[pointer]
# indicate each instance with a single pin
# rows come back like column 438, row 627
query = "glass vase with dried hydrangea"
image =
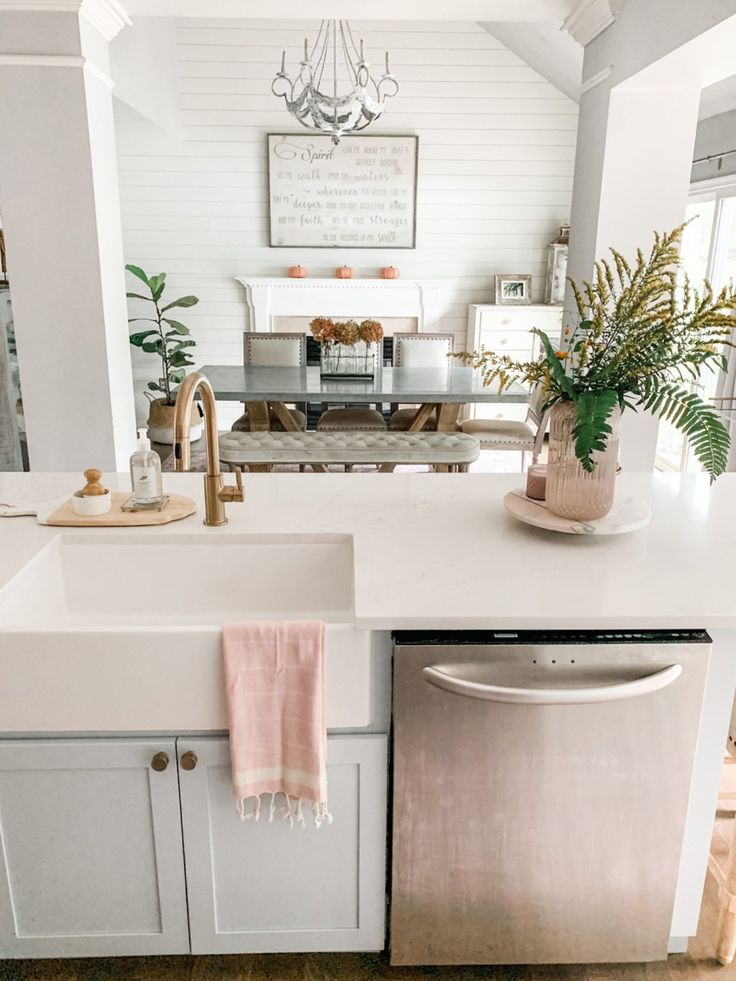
column 348, row 349
column 644, row 336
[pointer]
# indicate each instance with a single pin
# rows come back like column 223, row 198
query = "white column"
column 642, row 186
column 636, row 136
column 60, row 206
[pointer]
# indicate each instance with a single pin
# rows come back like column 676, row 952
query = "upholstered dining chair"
column 512, row 435
column 419, row 351
column 351, row 419
column 274, row 350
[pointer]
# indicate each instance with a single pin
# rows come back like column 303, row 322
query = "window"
column 708, row 252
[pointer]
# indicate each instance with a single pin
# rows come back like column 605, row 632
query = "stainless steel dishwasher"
column 540, row 789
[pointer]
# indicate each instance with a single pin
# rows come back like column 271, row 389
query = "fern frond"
column 592, row 428
column 697, row 420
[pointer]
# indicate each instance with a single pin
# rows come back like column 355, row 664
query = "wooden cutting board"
column 178, row 507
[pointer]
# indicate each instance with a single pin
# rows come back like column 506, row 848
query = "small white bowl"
column 92, row 505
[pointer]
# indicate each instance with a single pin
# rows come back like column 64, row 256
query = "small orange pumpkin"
column 390, row 272
column 297, row 272
column 344, row 272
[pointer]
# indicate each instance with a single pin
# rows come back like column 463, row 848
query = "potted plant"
column 348, row 349
column 168, row 339
column 643, row 337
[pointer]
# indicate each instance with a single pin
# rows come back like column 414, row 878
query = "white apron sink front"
column 122, row 632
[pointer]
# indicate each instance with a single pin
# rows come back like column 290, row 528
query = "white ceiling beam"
column 406, row 10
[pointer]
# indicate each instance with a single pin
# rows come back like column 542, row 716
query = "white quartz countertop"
column 438, row 551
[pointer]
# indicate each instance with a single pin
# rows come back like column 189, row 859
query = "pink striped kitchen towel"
column 275, row 689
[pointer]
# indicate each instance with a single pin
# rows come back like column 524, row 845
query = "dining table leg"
column 420, row 417
column 259, row 421
column 447, row 416
column 416, row 426
column 287, row 421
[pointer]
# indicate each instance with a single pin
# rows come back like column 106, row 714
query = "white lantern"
column 557, row 267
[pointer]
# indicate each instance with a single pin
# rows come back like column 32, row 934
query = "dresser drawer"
column 517, row 343
column 509, row 328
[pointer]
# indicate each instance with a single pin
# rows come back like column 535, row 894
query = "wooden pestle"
column 93, row 487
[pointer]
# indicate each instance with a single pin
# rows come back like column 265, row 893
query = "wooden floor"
column 697, row 965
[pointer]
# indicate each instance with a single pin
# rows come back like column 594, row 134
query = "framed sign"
column 358, row 194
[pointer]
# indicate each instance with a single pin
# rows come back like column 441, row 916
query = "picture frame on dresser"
column 513, row 289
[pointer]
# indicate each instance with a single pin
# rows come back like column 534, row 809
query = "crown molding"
column 588, row 19
column 107, row 16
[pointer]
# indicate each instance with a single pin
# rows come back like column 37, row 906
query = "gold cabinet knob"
column 160, row 761
column 188, row 760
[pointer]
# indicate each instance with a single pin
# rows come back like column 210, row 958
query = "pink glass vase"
column 572, row 492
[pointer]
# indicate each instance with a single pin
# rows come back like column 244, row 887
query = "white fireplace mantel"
column 424, row 299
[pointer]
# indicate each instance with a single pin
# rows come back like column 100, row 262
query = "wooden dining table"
column 266, row 390
column 445, row 389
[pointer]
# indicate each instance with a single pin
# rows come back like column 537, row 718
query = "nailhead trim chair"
column 419, row 351
column 279, row 350
column 351, row 420
column 507, row 434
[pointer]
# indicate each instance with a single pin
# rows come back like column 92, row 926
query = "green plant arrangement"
column 643, row 338
column 168, row 338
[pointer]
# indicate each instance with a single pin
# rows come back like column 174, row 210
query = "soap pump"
column 145, row 474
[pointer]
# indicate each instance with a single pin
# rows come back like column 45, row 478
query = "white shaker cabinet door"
column 90, row 849
column 268, row 887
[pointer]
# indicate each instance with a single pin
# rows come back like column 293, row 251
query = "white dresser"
column 507, row 330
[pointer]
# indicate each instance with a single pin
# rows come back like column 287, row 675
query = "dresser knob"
column 159, row 762
column 188, row 760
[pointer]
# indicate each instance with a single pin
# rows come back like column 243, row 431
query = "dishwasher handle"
column 438, row 675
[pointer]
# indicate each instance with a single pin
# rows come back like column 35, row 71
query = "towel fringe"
column 287, row 812
column 291, row 809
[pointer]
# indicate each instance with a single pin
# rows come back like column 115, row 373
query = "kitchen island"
column 433, row 552
column 423, row 552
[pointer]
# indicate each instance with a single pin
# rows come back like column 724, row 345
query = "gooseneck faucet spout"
column 215, row 493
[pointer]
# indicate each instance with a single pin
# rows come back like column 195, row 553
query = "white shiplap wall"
column 496, row 149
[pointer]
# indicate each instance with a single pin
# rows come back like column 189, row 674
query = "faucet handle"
column 230, row 494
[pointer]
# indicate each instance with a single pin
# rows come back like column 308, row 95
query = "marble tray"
column 628, row 514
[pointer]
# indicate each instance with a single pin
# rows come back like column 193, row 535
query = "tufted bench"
column 261, row 449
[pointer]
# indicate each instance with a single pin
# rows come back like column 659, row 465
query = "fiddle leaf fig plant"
column 168, row 338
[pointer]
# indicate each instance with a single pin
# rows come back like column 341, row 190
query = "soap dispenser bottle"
column 145, row 474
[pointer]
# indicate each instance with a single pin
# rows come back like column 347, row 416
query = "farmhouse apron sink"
column 121, row 632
